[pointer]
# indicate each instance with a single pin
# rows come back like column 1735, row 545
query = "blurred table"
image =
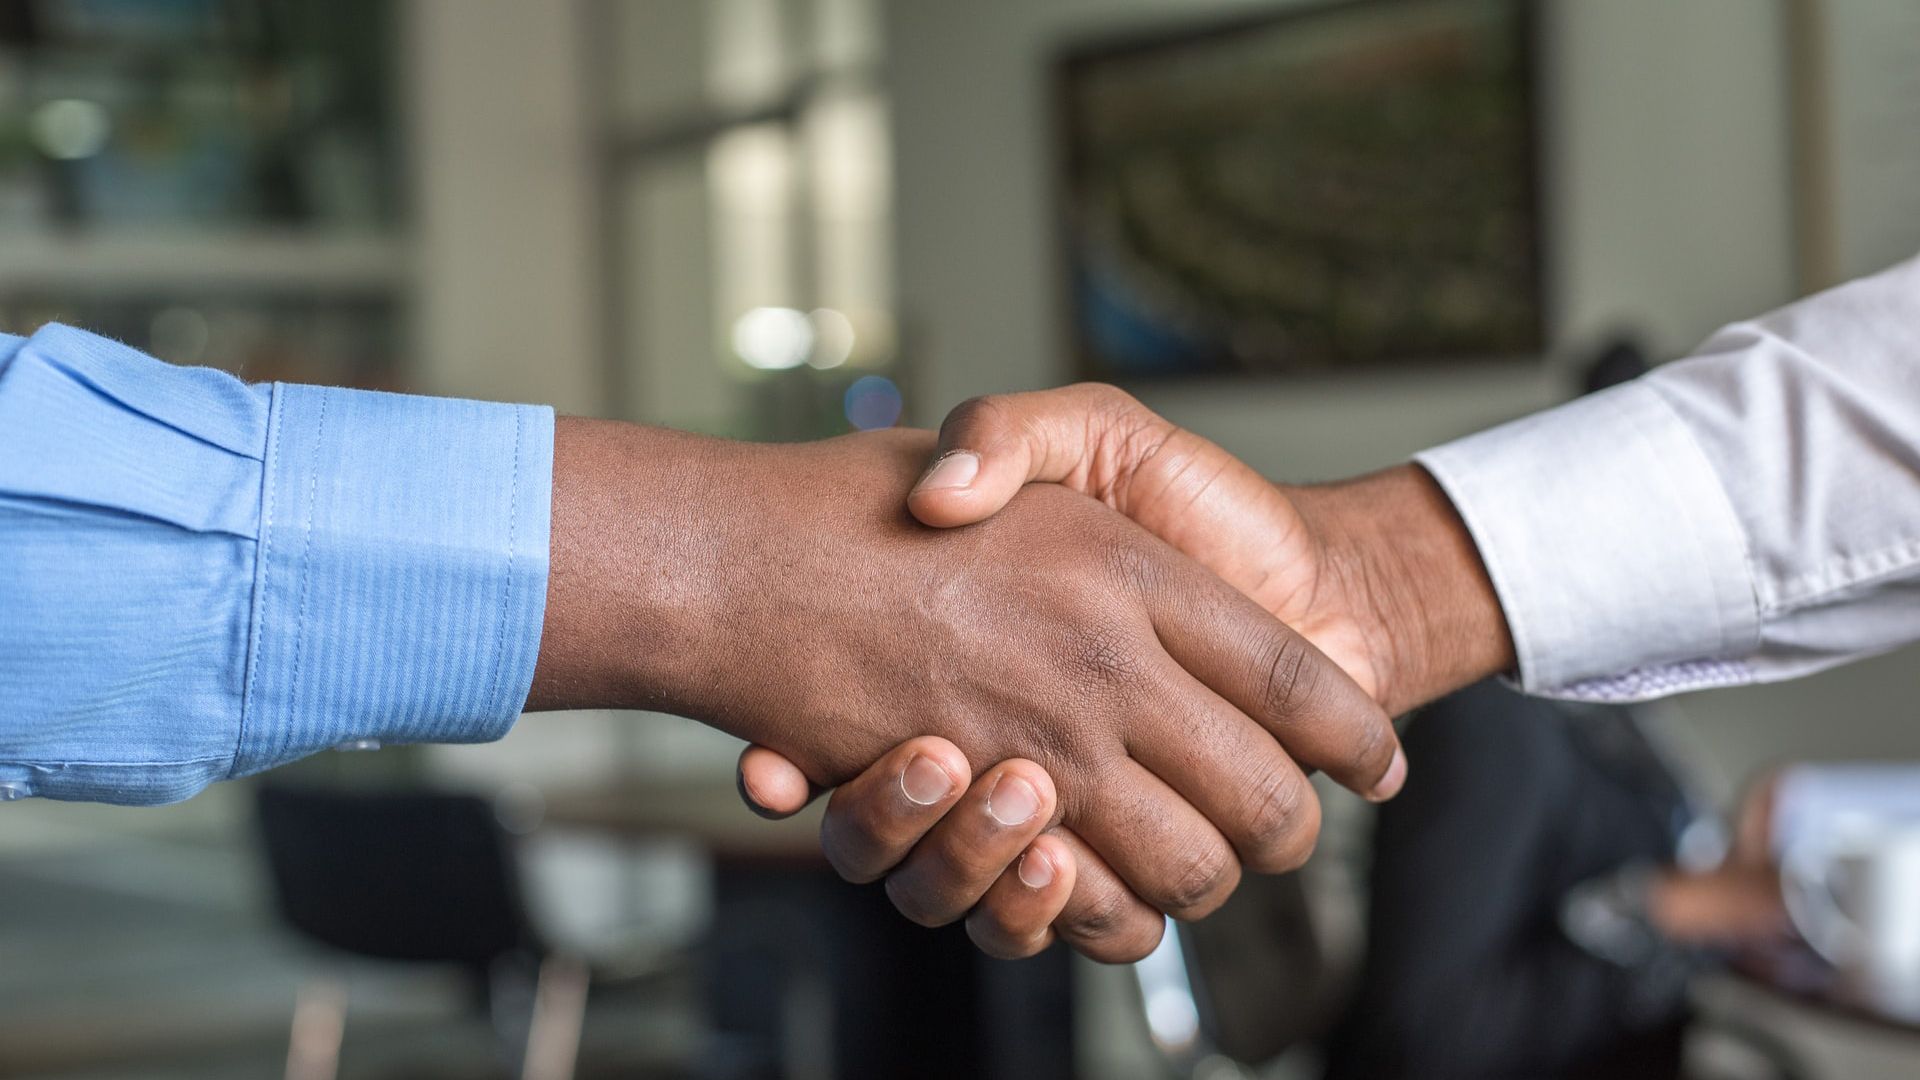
column 1803, row 1034
column 709, row 811
column 809, row 975
column 1797, row 976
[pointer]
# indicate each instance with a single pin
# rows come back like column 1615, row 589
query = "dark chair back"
column 411, row 876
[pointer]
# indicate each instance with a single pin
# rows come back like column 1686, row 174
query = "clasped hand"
column 946, row 851
column 1152, row 720
column 1407, row 619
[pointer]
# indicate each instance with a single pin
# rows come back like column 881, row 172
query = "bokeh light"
column 873, row 402
column 70, row 129
column 773, row 338
column 833, row 338
column 179, row 335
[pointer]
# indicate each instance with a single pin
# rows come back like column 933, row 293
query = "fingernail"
column 955, row 470
column 1036, row 870
column 1396, row 777
column 924, row 783
column 752, row 800
column 1012, row 801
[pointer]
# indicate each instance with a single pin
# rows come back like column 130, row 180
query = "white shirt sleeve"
column 1751, row 513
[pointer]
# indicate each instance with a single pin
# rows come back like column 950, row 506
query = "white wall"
column 504, row 260
column 1669, row 165
column 1873, row 54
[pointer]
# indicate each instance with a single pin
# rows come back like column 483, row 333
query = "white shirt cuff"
column 1610, row 541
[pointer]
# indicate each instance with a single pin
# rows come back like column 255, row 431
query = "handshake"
column 1069, row 666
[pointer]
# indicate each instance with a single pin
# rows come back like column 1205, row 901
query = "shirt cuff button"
column 352, row 745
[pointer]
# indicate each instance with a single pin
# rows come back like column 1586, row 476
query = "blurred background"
column 1325, row 236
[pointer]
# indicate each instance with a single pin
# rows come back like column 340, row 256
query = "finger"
column 1269, row 672
column 1103, row 919
column 1015, row 917
column 991, row 446
column 1166, row 851
column 974, row 844
column 1234, row 773
column 772, row 786
column 874, row 819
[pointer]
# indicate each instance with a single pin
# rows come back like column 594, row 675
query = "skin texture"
column 1161, row 720
column 1378, row 572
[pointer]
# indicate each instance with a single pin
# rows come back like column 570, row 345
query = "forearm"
column 677, row 559
column 738, row 584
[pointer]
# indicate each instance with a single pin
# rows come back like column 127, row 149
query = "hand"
column 1379, row 572
column 780, row 593
column 875, row 821
column 1733, row 904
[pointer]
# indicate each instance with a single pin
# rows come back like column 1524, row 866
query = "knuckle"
column 1368, row 749
column 870, row 824
column 1001, row 934
column 1108, row 661
column 995, row 938
column 1286, row 819
column 1129, row 560
column 854, row 839
column 1292, row 677
column 965, row 867
column 1069, row 750
column 1107, row 918
column 917, row 904
column 1297, row 858
column 1109, row 399
column 988, row 920
column 1128, row 940
column 850, row 858
column 1203, row 883
column 976, row 415
column 1271, row 815
column 1106, row 655
column 1065, row 747
column 850, row 870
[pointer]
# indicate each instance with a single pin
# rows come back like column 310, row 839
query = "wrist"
column 1406, row 569
column 635, row 567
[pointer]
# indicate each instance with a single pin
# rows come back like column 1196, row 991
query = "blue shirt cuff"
column 401, row 580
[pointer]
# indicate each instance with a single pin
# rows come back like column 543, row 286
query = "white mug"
column 1854, row 894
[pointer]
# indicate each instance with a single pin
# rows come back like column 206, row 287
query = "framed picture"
column 1339, row 188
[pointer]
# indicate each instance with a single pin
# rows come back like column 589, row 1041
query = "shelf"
column 170, row 262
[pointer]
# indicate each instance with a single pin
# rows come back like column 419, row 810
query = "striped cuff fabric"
column 401, row 578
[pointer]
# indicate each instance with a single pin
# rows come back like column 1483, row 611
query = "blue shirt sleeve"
column 201, row 579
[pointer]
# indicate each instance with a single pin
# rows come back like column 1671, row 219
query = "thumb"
column 990, row 447
column 772, row 786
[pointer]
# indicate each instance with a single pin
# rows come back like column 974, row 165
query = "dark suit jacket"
column 1510, row 802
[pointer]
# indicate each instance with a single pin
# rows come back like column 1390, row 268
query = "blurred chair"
column 418, row 877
